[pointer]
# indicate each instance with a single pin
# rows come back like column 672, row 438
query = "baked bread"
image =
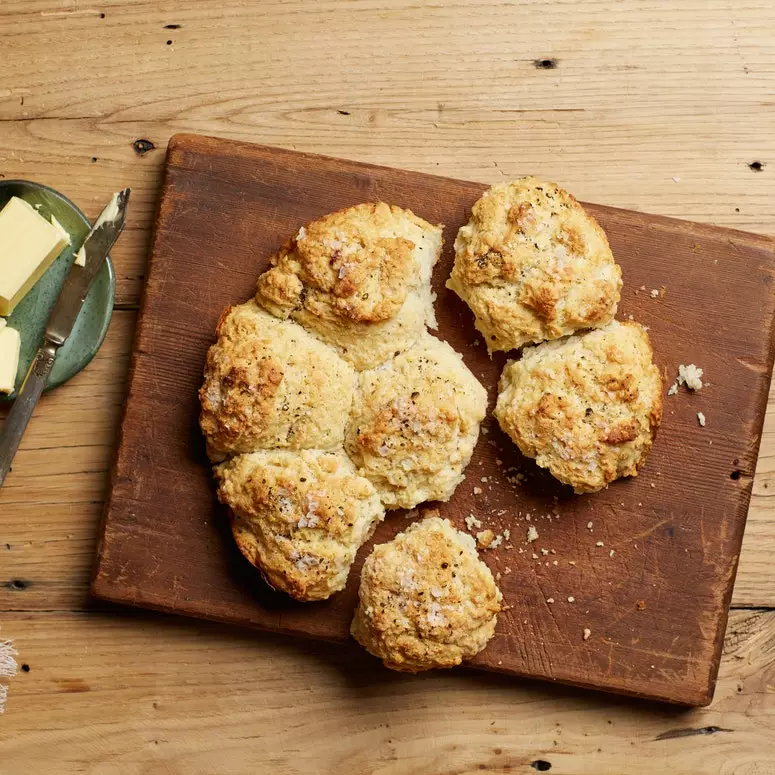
column 358, row 279
column 268, row 383
column 587, row 407
column 426, row 599
column 533, row 265
column 414, row 424
column 299, row 517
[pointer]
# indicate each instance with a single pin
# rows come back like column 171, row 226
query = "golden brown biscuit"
column 533, row 265
column 415, row 423
column 586, row 407
column 426, row 599
column 299, row 517
column 268, row 383
column 359, row 279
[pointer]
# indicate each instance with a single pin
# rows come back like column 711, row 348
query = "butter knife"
column 60, row 324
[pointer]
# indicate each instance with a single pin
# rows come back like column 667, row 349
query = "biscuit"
column 299, row 517
column 414, row 424
column 587, row 407
column 358, row 279
column 533, row 265
column 426, row 599
column 268, row 383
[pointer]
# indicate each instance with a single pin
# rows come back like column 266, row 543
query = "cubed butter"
column 10, row 344
column 28, row 246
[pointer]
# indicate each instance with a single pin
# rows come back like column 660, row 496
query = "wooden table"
column 634, row 104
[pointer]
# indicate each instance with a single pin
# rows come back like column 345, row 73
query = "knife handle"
column 21, row 411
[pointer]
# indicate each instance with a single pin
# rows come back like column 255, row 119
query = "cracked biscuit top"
column 358, row 279
column 533, row 265
column 426, row 599
column 268, row 383
column 587, row 407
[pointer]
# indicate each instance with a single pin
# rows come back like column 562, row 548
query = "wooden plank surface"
column 676, row 529
column 138, row 694
column 659, row 91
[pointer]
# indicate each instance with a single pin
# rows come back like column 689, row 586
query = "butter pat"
column 28, row 246
column 10, row 344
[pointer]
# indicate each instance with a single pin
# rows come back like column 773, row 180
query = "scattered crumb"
column 701, row 419
column 477, row 490
column 653, row 485
column 589, row 526
column 550, row 600
column 599, row 543
column 532, row 534
column 673, row 389
column 496, row 542
column 535, row 556
column 691, row 376
column 640, row 605
column 654, row 292
column 611, row 553
column 507, row 534
column 485, row 538
column 544, row 552
column 571, row 599
column 676, row 179
column 555, row 562
column 472, row 522
column 498, row 576
column 484, row 479
column 506, row 571
column 571, row 562
column 587, row 633
column 643, row 287
column 485, row 431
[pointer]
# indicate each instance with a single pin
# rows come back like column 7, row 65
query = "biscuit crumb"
column 507, row 534
column 544, row 552
column 535, row 556
column 472, row 522
column 532, row 534
column 673, row 389
column 691, row 376
column 701, row 419
column 571, row 599
column 654, row 293
column 550, row 600
column 485, row 538
column 477, row 490
column 589, row 525
column 571, row 562
column 640, row 605
column 611, row 553
column 587, row 633
column 599, row 543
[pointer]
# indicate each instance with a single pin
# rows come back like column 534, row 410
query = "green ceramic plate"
column 31, row 314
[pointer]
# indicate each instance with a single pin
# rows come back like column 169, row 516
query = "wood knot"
column 142, row 146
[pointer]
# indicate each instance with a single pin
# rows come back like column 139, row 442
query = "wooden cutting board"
column 647, row 566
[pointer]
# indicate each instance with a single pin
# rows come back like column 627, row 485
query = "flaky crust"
column 299, row 517
column 268, row 383
column 359, row 279
column 426, row 599
column 533, row 265
column 587, row 407
column 415, row 423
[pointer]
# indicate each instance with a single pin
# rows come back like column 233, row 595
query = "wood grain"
column 138, row 694
column 666, row 90
column 676, row 530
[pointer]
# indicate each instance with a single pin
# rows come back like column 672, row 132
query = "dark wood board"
column 656, row 609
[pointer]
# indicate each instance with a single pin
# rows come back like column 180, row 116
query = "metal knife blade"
column 79, row 280
column 60, row 324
